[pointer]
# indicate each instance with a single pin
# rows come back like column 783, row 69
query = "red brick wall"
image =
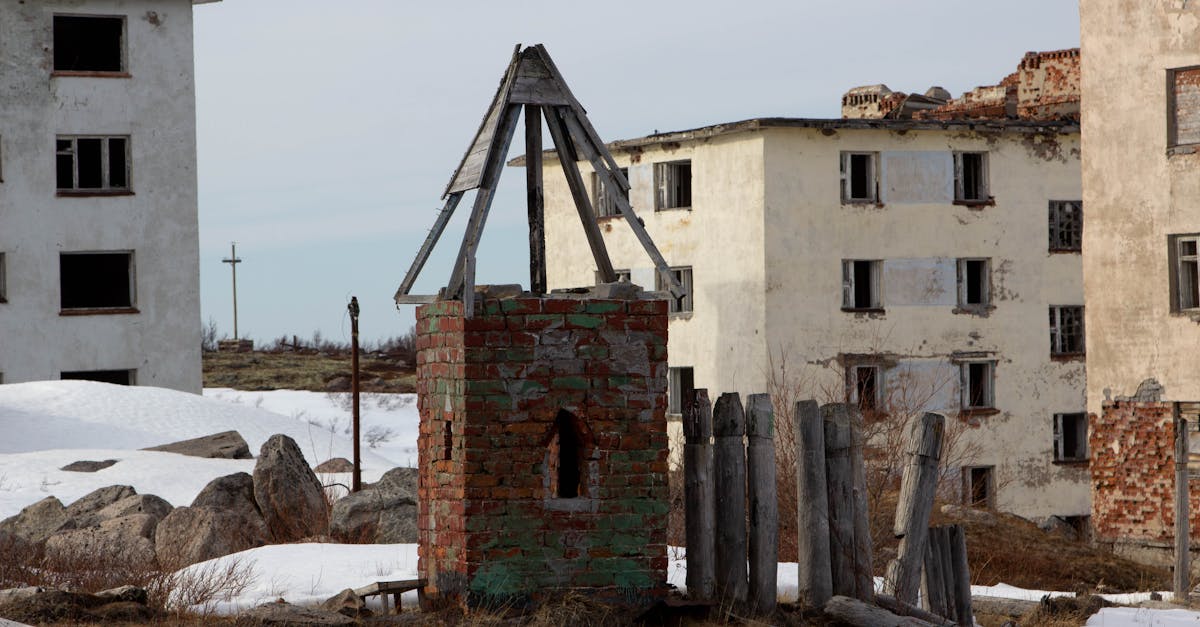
column 492, row 528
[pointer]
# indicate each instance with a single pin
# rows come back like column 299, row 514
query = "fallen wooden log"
column 859, row 614
column 898, row 607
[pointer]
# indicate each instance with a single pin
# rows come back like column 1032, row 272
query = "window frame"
column 602, row 202
column 1080, row 427
column 1176, row 261
column 3, row 277
column 853, row 388
column 847, row 178
column 875, row 275
column 1172, row 113
column 132, row 308
column 985, row 289
column 123, row 72
column 106, row 188
column 1057, row 340
column 666, row 188
column 1060, row 225
column 676, row 389
column 681, row 305
column 968, row 486
column 965, row 396
column 983, row 184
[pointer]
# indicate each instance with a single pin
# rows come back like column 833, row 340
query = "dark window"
column 569, row 456
column 673, row 182
column 683, row 302
column 680, row 386
column 866, row 388
column 861, row 284
column 605, row 204
column 1070, row 437
column 1066, row 225
column 96, row 280
column 92, row 163
column 89, row 44
column 858, row 177
column 116, row 377
column 447, row 439
column 1184, row 256
column 3, row 285
column 974, row 283
column 1066, row 330
column 970, row 177
column 977, row 486
column 977, row 385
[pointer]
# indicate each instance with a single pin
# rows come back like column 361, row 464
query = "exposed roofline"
column 834, row 124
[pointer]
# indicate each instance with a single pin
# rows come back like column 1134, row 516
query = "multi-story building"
column 925, row 263
column 99, row 252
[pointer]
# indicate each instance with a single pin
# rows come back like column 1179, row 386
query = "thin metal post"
column 233, row 261
column 356, row 483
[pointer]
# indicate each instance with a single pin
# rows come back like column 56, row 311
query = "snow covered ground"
column 46, row 425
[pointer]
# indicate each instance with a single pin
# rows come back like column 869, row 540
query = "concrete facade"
column 767, row 235
column 148, row 212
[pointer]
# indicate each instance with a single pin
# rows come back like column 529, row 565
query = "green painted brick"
column 603, row 307
column 585, row 321
column 570, row 383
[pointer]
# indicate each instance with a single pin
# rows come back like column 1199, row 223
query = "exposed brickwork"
column 495, row 391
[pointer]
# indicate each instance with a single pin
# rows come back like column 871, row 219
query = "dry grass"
column 305, row 370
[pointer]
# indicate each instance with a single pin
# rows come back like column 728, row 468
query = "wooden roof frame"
column 533, row 85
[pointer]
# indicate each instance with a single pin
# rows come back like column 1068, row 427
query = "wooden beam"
column 439, row 225
column 566, row 156
column 415, row 299
column 534, row 200
column 613, row 179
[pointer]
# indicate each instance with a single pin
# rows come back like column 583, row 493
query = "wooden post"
column 946, row 558
column 699, row 514
column 839, row 490
column 864, row 572
column 534, row 201
column 764, row 504
column 356, row 479
column 1182, row 576
column 961, row 576
column 583, row 206
column 729, row 427
column 812, row 502
column 933, row 586
column 917, row 488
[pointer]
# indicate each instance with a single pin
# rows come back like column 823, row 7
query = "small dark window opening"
column 862, row 284
column 88, row 44
column 1070, row 437
column 979, row 382
column 979, row 486
column 860, row 181
column 447, row 439
column 92, row 163
column 867, row 387
column 976, row 272
column 116, row 377
column 680, row 388
column 970, row 177
column 1066, row 225
column 96, row 280
column 569, row 456
column 674, row 184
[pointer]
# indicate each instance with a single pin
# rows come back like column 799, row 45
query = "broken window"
column 673, row 182
column 1185, row 272
column 682, row 303
column 3, row 285
column 96, row 280
column 1070, row 437
column 1066, row 330
column 861, row 284
column 977, row 486
column 565, row 458
column 92, row 164
column 866, row 387
column 1183, row 106
column 970, row 177
column 606, row 205
column 859, row 181
column 974, row 283
column 88, row 43
column 680, row 386
column 1066, row 225
column 977, row 385
column 116, row 377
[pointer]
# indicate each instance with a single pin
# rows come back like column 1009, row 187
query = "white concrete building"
column 902, row 264
column 99, row 259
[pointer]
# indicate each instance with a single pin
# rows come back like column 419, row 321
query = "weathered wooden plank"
column 431, row 240
column 534, row 200
column 469, row 174
column 1182, row 575
column 535, row 90
column 933, row 585
column 864, row 571
column 729, row 465
column 415, row 299
column 895, row 606
column 583, row 205
column 946, row 558
column 764, row 504
column 961, row 576
column 698, row 495
column 839, row 489
column 854, row 612
column 918, row 486
column 812, row 500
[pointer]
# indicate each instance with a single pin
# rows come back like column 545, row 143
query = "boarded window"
column 859, row 180
column 1066, row 330
column 680, row 386
column 116, row 377
column 605, row 203
column 1183, row 106
column 974, row 283
column 92, row 164
column 89, row 43
column 1070, row 437
column 682, row 303
column 861, row 284
column 977, row 385
column 1066, row 225
column 96, row 280
column 673, row 185
column 971, row 177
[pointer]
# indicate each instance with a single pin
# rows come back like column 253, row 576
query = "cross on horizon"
column 233, row 261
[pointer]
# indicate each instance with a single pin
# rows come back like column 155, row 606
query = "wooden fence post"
column 729, row 461
column 864, row 572
column 812, row 503
column 961, row 576
column 1182, row 578
column 933, row 584
column 764, row 504
column 917, row 488
column 849, row 537
column 699, row 514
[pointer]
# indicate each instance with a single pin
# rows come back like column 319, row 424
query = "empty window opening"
column 977, row 486
column 89, row 44
column 92, row 163
column 859, row 183
column 866, row 387
column 96, row 280
column 861, row 284
column 974, row 283
column 3, row 284
column 605, row 202
column 683, row 302
column 569, row 457
column 447, row 439
column 116, row 377
column 1070, row 437
column 970, row 176
column 1066, row 225
column 1186, row 272
column 673, row 182
column 1066, row 330
column 681, row 385
column 977, row 384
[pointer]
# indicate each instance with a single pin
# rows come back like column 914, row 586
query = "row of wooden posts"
column 729, row 464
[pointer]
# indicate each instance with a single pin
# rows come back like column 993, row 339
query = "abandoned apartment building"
column 918, row 253
column 99, row 258
column 1142, row 270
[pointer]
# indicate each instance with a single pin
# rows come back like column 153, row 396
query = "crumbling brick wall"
column 501, row 395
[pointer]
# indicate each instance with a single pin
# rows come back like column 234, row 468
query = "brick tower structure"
column 543, row 448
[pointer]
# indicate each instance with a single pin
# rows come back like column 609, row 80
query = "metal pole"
column 1182, row 553
column 356, row 484
column 233, row 261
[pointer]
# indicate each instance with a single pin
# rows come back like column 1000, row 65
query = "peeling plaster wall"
column 156, row 108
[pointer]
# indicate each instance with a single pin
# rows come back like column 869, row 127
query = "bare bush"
column 208, row 336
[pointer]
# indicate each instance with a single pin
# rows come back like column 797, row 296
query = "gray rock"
column 124, row 541
column 224, row 445
column 39, row 521
column 132, row 594
column 88, row 466
column 229, row 493
column 337, row 464
column 347, row 603
column 620, row 290
column 292, row 616
column 385, row 513
column 95, row 501
column 195, row 534
column 24, row 592
column 288, row 494
column 148, row 504
column 399, row 480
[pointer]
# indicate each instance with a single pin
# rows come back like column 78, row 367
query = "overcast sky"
column 328, row 130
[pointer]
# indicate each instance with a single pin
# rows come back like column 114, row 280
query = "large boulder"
column 231, row 493
column 37, row 522
column 385, row 513
column 337, row 464
column 224, row 445
column 149, row 504
column 288, row 494
column 195, row 534
column 121, row 542
column 80, row 512
column 88, row 465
